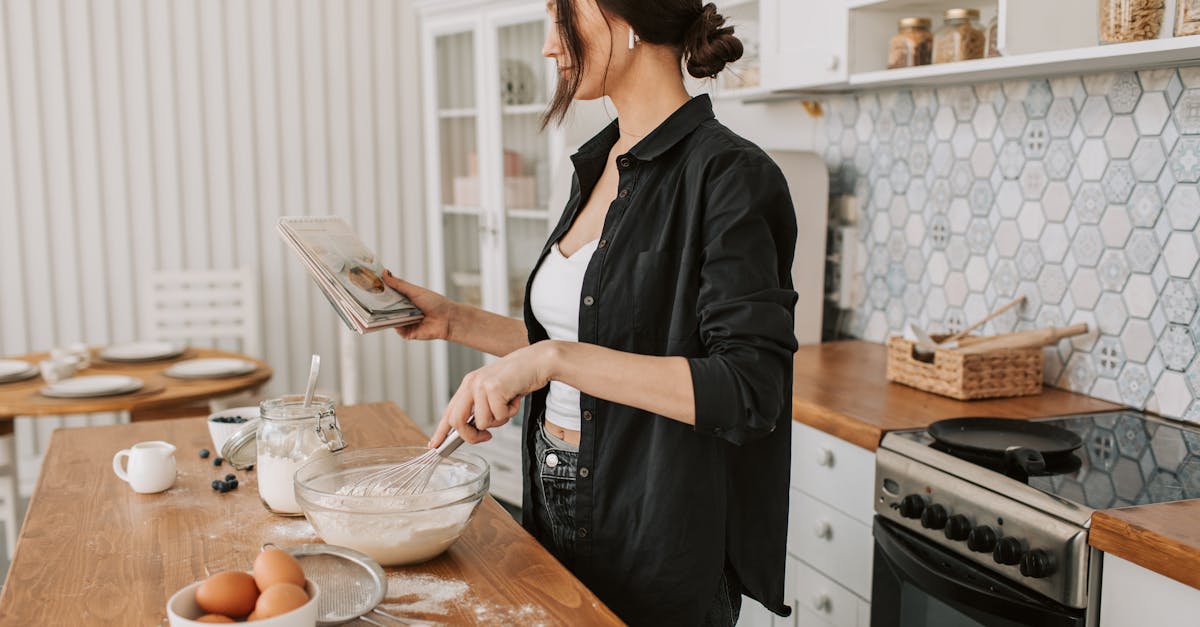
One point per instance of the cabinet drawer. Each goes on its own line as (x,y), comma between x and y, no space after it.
(832,542)
(834,471)
(821,601)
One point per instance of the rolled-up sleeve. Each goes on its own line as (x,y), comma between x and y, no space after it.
(746,304)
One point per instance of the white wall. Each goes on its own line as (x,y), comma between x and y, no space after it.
(170,134)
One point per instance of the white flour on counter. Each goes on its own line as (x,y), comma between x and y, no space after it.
(416,594)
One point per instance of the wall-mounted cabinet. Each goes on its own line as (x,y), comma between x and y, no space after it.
(841,45)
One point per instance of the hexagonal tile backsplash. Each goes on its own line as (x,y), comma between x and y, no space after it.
(1079,192)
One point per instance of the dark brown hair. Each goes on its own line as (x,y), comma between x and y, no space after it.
(695,29)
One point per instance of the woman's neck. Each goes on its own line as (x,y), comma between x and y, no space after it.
(649,92)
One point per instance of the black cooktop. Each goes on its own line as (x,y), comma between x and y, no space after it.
(1127,458)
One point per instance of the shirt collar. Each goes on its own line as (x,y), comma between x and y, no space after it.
(678,125)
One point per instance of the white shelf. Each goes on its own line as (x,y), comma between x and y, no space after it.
(1132,55)
(528,109)
(529,214)
(461,210)
(466,112)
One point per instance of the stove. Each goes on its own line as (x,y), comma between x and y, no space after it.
(1028,534)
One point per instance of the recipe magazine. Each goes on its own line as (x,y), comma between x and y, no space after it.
(348,273)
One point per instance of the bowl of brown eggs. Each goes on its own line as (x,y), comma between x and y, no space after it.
(275,594)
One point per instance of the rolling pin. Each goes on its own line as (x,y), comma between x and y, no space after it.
(1024,339)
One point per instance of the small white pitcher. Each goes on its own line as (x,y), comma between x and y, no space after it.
(151,466)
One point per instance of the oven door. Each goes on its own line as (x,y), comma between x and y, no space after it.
(918,584)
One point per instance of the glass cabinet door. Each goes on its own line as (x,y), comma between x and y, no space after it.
(460,188)
(524,153)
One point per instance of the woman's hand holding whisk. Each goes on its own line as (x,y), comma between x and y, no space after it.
(493,393)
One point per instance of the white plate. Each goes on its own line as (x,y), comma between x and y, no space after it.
(214,368)
(91,386)
(16,370)
(142,351)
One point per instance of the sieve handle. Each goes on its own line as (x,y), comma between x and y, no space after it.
(453,440)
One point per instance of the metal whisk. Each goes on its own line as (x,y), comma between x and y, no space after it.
(411,477)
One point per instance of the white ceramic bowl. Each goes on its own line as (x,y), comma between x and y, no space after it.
(220,431)
(183,611)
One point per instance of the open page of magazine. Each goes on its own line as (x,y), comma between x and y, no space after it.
(348,273)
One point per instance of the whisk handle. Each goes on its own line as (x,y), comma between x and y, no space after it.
(453,440)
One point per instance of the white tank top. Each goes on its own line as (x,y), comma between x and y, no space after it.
(554,298)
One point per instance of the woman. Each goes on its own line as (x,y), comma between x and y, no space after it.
(657,336)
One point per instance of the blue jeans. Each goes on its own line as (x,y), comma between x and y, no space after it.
(554,505)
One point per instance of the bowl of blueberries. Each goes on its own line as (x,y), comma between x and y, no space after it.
(225,423)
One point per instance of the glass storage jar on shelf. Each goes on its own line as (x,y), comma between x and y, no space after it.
(1187,18)
(289,436)
(993,31)
(960,38)
(912,45)
(1130,20)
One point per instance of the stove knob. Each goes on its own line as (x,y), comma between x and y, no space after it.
(912,505)
(1037,564)
(1008,551)
(934,517)
(958,527)
(982,539)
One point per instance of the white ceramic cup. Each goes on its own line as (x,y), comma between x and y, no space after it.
(56,369)
(151,466)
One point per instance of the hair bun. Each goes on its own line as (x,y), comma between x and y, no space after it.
(710,44)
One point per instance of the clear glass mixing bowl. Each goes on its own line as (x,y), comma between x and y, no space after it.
(394,530)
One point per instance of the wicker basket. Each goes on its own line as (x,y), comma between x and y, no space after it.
(995,374)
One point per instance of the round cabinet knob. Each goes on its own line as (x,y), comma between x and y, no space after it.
(934,517)
(982,539)
(823,529)
(912,505)
(1008,551)
(1037,564)
(825,457)
(958,527)
(822,602)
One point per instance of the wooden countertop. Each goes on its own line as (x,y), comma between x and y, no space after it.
(841,389)
(92,551)
(1164,538)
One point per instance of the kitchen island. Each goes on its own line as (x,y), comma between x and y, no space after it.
(93,552)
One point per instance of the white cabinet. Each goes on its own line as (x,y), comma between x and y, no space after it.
(830,547)
(1132,595)
(485,85)
(804,43)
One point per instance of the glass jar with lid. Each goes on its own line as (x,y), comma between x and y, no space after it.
(912,45)
(290,435)
(960,38)
(993,36)
(1130,20)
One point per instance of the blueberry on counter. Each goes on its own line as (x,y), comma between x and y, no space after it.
(230,477)
(233,484)
(216,484)
(204,453)
(217,461)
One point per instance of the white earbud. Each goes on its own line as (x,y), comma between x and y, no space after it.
(633,38)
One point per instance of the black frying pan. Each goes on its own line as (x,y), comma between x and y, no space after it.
(1021,445)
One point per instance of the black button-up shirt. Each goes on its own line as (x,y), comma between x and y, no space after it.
(695,261)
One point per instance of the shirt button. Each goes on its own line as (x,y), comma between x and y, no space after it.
(551,460)
(584,472)
(624,162)
(588,300)
(624,193)
(587,415)
(602,243)
(581,532)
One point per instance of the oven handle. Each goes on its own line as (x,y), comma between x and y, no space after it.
(966,595)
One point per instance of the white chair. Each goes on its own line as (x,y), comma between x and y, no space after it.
(217,308)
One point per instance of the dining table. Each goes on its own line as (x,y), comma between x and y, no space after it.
(23,398)
(93,552)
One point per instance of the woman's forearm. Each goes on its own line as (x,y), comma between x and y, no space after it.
(486,331)
(660,385)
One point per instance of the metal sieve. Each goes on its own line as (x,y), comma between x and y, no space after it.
(352,584)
